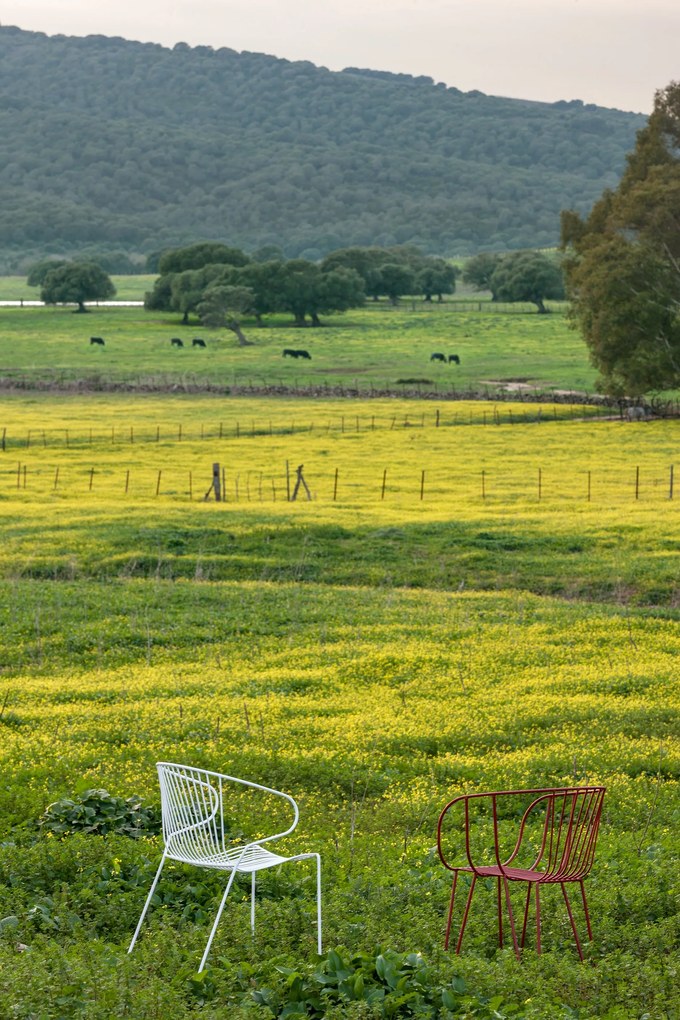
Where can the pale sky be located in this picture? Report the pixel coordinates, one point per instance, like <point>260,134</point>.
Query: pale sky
<point>610,52</point>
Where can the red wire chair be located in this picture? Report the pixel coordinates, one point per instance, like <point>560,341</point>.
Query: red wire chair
<point>566,851</point>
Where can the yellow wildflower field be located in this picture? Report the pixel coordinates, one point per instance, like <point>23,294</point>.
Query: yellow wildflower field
<point>472,598</point>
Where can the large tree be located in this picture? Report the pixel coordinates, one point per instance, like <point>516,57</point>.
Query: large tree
<point>223,306</point>
<point>623,263</point>
<point>527,276</point>
<point>436,277</point>
<point>303,288</point>
<point>478,271</point>
<point>76,283</point>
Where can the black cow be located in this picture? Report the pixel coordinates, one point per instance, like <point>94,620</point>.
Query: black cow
<point>288,352</point>
<point>438,357</point>
<point>454,358</point>
<point>96,340</point>
<point>197,342</point>
<point>176,342</point>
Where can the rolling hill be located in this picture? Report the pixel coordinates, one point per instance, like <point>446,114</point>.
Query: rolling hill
<point>131,146</point>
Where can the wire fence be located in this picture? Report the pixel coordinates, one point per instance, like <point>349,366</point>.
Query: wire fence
<point>493,414</point>
<point>396,484</point>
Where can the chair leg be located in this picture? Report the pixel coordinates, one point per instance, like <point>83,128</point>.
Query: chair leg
<point>585,910</point>
<point>148,901</point>
<point>526,916</point>
<point>512,919</point>
<point>252,905</point>
<point>318,903</point>
<point>450,917</point>
<point>465,915</point>
<point>537,886</point>
<point>217,920</point>
<point>500,912</point>
<point>571,918</point>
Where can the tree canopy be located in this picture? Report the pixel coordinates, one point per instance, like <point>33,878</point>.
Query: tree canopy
<point>527,276</point>
<point>135,147</point>
<point>397,270</point>
<point>623,263</point>
<point>75,283</point>
<point>479,270</point>
<point>221,293</point>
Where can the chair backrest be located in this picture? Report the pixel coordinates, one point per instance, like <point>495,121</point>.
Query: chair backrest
<point>569,828</point>
<point>192,809</point>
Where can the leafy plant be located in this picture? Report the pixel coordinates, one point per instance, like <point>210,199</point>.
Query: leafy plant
<point>99,812</point>
<point>390,984</point>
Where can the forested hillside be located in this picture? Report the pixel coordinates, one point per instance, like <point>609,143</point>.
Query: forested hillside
<point>133,146</point>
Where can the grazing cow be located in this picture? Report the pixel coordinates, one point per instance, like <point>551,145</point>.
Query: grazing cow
<point>176,342</point>
<point>438,357</point>
<point>197,342</point>
<point>637,413</point>
<point>289,352</point>
<point>96,340</point>
<point>454,358</point>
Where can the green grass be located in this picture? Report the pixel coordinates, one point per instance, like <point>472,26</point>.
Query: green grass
<point>373,347</point>
<point>128,288</point>
<point>372,656</point>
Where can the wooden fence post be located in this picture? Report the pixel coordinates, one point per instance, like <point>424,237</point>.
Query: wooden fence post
<point>670,484</point>
<point>215,485</point>
<point>384,482</point>
<point>335,486</point>
<point>300,481</point>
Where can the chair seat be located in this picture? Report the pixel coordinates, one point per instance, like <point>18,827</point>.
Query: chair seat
<point>255,858</point>
<point>512,874</point>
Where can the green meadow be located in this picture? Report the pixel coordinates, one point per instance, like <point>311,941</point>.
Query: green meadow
<point>377,347</point>
<point>478,595</point>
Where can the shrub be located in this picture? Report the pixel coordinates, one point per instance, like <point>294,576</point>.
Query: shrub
<point>388,984</point>
<point>98,812</point>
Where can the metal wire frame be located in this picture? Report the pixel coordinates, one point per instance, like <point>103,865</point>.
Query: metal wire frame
<point>192,812</point>
<point>566,854</point>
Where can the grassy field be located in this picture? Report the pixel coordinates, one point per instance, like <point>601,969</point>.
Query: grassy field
<point>128,288</point>
<point>374,653</point>
<point>375,347</point>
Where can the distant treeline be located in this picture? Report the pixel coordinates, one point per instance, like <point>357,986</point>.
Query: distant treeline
<point>135,148</point>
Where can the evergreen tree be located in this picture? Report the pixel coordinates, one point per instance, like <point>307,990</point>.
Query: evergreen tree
<point>623,263</point>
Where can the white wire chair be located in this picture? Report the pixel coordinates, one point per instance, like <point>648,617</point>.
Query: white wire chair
<point>192,810</point>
